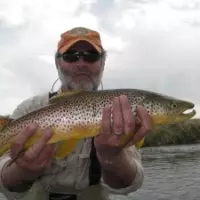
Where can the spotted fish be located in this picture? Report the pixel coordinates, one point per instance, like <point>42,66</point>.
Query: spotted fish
<point>77,115</point>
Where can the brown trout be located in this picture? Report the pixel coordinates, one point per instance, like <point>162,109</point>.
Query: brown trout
<point>77,115</point>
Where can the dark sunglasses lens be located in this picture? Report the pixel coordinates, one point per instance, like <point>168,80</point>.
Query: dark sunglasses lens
<point>73,56</point>
<point>91,57</point>
<point>70,57</point>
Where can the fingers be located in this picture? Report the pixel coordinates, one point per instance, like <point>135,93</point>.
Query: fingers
<point>146,124</point>
<point>21,139</point>
<point>38,164</point>
<point>125,128</point>
<point>37,148</point>
<point>117,117</point>
<point>106,121</point>
<point>44,158</point>
<point>129,123</point>
<point>45,154</point>
<point>37,158</point>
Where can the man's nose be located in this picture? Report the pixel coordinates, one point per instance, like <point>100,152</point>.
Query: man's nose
<point>81,61</point>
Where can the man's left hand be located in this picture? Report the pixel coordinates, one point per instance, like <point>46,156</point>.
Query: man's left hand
<point>108,144</point>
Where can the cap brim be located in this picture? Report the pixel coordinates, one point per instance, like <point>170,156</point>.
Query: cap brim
<point>67,46</point>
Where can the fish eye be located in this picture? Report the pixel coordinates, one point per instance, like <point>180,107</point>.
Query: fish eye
<point>173,105</point>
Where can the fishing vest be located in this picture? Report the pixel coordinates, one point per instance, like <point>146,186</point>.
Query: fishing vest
<point>94,171</point>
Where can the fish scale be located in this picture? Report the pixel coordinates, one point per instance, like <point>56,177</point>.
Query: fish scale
<point>76,115</point>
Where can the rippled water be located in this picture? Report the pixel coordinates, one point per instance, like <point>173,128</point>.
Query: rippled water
<point>171,173</point>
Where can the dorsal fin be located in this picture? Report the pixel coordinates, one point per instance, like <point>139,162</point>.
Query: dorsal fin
<point>4,120</point>
<point>63,96</point>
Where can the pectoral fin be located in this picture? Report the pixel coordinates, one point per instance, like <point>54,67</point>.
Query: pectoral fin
<point>64,148</point>
<point>140,143</point>
<point>127,137</point>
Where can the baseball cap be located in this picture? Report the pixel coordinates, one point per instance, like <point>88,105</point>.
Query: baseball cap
<point>76,34</point>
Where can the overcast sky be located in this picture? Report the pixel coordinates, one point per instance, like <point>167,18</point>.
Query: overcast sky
<point>151,44</point>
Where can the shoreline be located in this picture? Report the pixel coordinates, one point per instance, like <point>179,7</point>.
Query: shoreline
<point>187,132</point>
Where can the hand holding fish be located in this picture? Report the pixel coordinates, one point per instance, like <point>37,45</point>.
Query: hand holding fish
<point>33,162</point>
<point>118,169</point>
<point>108,143</point>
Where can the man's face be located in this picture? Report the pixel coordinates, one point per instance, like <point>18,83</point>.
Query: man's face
<point>75,72</point>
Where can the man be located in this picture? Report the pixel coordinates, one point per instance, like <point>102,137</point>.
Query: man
<point>95,164</point>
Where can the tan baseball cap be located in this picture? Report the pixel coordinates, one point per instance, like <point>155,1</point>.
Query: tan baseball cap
<point>74,35</point>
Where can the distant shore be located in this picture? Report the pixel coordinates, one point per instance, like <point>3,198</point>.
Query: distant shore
<point>187,132</point>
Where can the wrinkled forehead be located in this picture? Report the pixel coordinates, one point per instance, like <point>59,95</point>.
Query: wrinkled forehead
<point>82,45</point>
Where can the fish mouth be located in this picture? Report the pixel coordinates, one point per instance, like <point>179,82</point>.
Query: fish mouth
<point>188,113</point>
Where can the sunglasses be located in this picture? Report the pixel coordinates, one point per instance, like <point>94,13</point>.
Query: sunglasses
<point>74,56</point>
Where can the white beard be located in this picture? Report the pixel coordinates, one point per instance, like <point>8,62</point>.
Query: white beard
<point>68,83</point>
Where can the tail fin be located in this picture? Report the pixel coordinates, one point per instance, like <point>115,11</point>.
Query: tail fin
<point>4,120</point>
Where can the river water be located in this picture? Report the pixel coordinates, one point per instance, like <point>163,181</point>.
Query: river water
<point>171,173</point>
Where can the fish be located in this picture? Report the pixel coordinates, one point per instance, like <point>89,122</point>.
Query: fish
<point>76,115</point>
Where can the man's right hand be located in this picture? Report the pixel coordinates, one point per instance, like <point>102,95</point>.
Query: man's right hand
<point>32,164</point>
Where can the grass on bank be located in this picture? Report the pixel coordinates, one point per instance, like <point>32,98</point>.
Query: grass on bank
<point>187,132</point>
